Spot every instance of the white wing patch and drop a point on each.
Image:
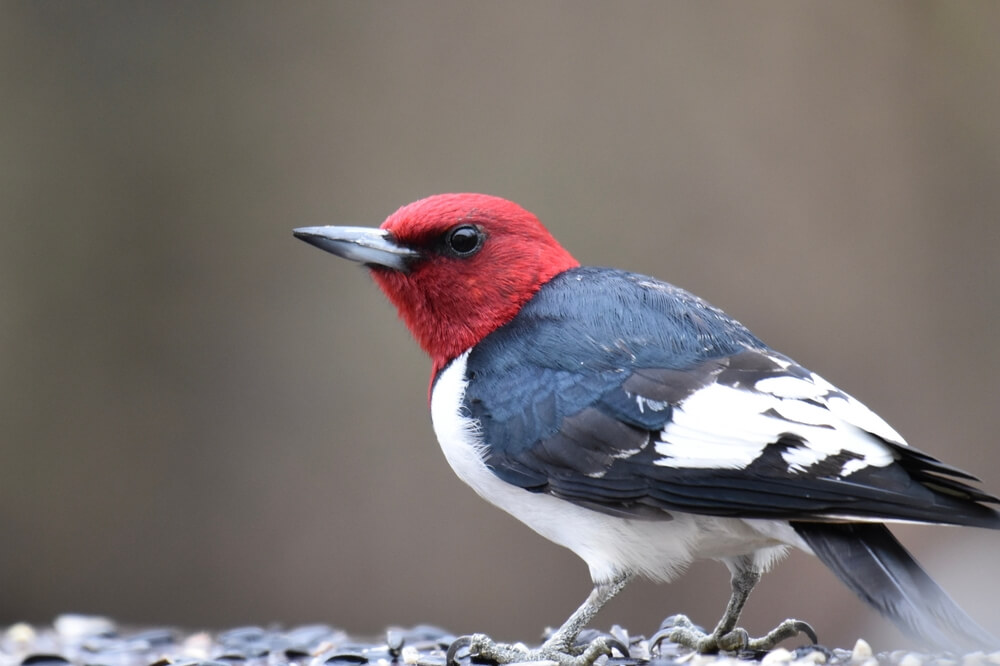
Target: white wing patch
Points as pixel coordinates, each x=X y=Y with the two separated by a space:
x=855 y=413
x=716 y=427
x=729 y=427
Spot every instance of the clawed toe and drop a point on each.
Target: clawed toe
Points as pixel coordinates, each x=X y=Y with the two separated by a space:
x=682 y=631
x=603 y=645
x=460 y=643
x=615 y=644
x=784 y=631
x=484 y=648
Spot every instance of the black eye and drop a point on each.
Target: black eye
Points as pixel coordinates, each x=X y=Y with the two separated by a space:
x=464 y=240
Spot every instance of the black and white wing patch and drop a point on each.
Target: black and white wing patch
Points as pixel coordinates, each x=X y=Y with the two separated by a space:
x=751 y=435
x=758 y=402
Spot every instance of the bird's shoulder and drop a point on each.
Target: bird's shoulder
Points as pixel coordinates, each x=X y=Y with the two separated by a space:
x=602 y=345
x=603 y=316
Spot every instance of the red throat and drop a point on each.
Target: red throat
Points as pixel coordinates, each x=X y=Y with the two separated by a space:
x=450 y=303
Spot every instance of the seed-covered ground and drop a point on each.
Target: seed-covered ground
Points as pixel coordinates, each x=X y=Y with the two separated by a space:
x=77 y=640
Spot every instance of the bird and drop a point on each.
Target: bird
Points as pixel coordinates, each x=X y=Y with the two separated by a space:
x=642 y=428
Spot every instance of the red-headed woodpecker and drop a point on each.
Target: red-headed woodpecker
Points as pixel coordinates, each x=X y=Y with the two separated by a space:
x=642 y=428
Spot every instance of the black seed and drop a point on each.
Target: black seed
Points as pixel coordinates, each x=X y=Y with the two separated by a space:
x=47 y=659
x=347 y=658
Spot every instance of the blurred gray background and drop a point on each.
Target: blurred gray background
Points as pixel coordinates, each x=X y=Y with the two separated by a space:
x=208 y=423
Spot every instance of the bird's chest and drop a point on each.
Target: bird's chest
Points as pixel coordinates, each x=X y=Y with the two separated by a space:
x=463 y=447
x=458 y=434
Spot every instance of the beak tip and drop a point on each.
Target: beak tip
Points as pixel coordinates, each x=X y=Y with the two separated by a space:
x=303 y=233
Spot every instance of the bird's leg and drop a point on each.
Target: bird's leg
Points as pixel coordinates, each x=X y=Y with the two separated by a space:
x=726 y=635
x=560 y=647
x=563 y=638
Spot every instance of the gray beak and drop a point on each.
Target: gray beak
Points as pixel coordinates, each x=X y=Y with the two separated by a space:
x=374 y=247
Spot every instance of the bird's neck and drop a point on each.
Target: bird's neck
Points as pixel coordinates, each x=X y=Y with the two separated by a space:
x=454 y=317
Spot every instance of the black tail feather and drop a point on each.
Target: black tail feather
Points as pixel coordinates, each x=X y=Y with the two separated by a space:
x=870 y=561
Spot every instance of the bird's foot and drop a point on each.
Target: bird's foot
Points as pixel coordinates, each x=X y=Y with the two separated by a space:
x=483 y=648
x=680 y=630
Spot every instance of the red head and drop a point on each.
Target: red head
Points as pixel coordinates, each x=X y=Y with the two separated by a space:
x=456 y=266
